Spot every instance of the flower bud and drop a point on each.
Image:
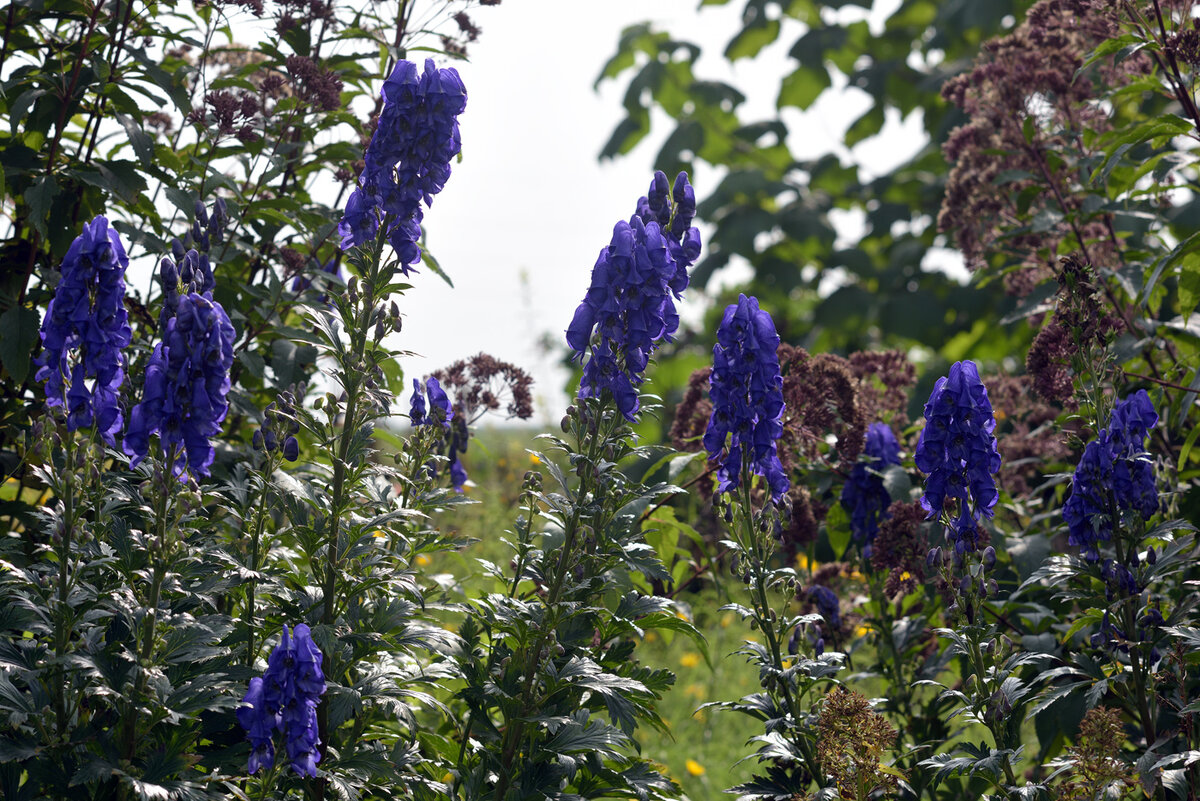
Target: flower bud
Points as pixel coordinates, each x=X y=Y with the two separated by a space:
x=1151 y=556
x=989 y=558
x=291 y=449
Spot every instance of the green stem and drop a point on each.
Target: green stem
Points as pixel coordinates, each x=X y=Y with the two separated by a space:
x=63 y=628
x=760 y=550
x=259 y=525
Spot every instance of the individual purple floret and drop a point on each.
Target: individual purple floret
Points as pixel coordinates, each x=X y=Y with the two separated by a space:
x=864 y=496
x=186 y=383
x=408 y=159
x=957 y=450
x=440 y=411
x=286 y=698
x=1114 y=475
x=747 y=398
x=826 y=601
x=629 y=303
x=84 y=331
x=260 y=724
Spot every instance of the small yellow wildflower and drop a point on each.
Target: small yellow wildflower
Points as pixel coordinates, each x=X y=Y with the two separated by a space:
x=533 y=459
x=726 y=620
x=379 y=534
x=690 y=660
x=862 y=630
x=501 y=462
x=423 y=561
x=448 y=778
x=905 y=576
x=694 y=768
x=787 y=663
x=650 y=636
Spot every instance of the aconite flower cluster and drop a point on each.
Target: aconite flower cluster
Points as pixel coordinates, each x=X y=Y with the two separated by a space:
x=285 y=699
x=187 y=381
x=408 y=159
x=957 y=451
x=747 y=398
x=864 y=495
x=1114 y=475
x=84 y=330
x=630 y=304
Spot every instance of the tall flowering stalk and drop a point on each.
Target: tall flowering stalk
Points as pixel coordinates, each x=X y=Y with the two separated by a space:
x=742 y=438
x=957 y=450
x=630 y=304
x=545 y=661
x=85 y=329
x=1113 y=495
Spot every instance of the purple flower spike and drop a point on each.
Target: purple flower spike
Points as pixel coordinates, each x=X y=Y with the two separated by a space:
x=747 y=398
x=629 y=303
x=85 y=329
x=1114 y=474
x=408 y=159
x=186 y=384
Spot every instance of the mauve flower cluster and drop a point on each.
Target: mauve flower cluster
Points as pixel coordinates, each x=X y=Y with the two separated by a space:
x=408 y=159
x=629 y=302
x=747 y=398
x=286 y=698
x=1115 y=474
x=957 y=450
x=87 y=316
x=187 y=380
x=864 y=496
x=1027 y=97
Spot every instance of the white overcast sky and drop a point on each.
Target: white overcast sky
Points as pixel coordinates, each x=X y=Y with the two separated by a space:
x=522 y=219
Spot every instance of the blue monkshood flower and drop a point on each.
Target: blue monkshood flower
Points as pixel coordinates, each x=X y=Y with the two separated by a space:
x=457 y=445
x=1114 y=475
x=747 y=397
x=440 y=411
x=260 y=724
x=292 y=687
x=826 y=601
x=286 y=698
x=408 y=159
x=84 y=331
x=187 y=380
x=864 y=496
x=630 y=303
x=957 y=450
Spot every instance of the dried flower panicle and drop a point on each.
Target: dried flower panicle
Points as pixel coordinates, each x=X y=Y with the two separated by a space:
x=822 y=397
x=901 y=548
x=484 y=384
x=1082 y=323
x=1097 y=768
x=884 y=380
x=851 y=742
x=1025 y=98
x=1027 y=434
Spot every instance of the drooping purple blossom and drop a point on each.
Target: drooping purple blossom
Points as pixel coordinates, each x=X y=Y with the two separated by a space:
x=629 y=303
x=439 y=412
x=84 y=330
x=1114 y=475
x=957 y=450
x=747 y=397
x=408 y=159
x=864 y=496
x=187 y=380
x=286 y=698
